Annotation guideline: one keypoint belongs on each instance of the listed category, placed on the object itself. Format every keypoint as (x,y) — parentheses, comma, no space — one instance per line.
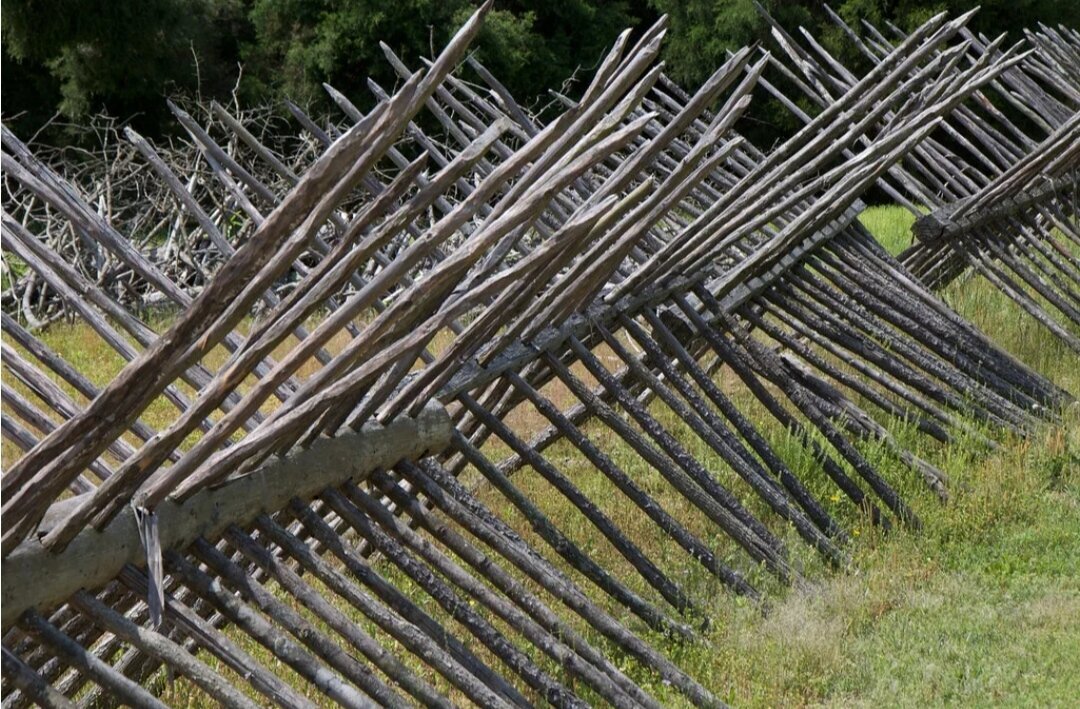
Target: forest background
(67,60)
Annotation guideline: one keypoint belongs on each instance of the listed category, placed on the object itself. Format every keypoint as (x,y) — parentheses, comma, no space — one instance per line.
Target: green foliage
(81,57)
(533,47)
(702,31)
(299,44)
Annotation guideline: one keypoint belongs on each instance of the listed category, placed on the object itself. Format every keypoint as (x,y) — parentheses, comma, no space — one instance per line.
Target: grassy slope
(980,607)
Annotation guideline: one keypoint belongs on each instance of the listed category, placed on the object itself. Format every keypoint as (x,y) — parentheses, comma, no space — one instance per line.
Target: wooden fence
(444,303)
(995,191)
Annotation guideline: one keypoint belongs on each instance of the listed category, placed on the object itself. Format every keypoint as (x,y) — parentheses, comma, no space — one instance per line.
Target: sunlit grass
(890,225)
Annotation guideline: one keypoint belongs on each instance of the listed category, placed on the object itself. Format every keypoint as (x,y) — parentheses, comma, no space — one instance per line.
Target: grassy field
(981,607)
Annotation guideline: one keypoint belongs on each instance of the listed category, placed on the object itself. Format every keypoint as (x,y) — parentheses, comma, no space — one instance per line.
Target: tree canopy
(79,57)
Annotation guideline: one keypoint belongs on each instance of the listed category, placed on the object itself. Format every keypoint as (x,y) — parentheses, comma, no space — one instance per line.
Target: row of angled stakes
(457,300)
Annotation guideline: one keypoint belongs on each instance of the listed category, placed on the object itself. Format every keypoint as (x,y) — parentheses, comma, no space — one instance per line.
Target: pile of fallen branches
(119,174)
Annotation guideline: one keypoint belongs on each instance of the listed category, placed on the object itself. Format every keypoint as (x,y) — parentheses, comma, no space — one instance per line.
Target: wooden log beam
(36,578)
(939,225)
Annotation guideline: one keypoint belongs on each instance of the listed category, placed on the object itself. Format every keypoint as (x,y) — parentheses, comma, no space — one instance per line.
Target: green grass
(982,607)
(979,608)
(890,225)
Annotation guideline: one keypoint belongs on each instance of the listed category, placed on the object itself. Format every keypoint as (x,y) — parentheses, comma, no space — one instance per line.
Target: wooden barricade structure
(322,486)
(995,189)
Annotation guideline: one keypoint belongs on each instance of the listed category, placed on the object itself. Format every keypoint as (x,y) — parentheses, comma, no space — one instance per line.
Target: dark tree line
(81,57)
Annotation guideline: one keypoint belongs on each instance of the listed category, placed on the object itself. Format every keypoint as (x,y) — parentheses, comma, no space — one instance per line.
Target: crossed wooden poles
(994,190)
(339,453)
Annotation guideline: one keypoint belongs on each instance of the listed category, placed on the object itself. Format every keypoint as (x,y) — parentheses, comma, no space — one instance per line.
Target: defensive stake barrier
(435,272)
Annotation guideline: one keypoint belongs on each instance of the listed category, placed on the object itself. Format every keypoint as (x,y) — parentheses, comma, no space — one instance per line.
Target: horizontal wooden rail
(36,578)
(940,225)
